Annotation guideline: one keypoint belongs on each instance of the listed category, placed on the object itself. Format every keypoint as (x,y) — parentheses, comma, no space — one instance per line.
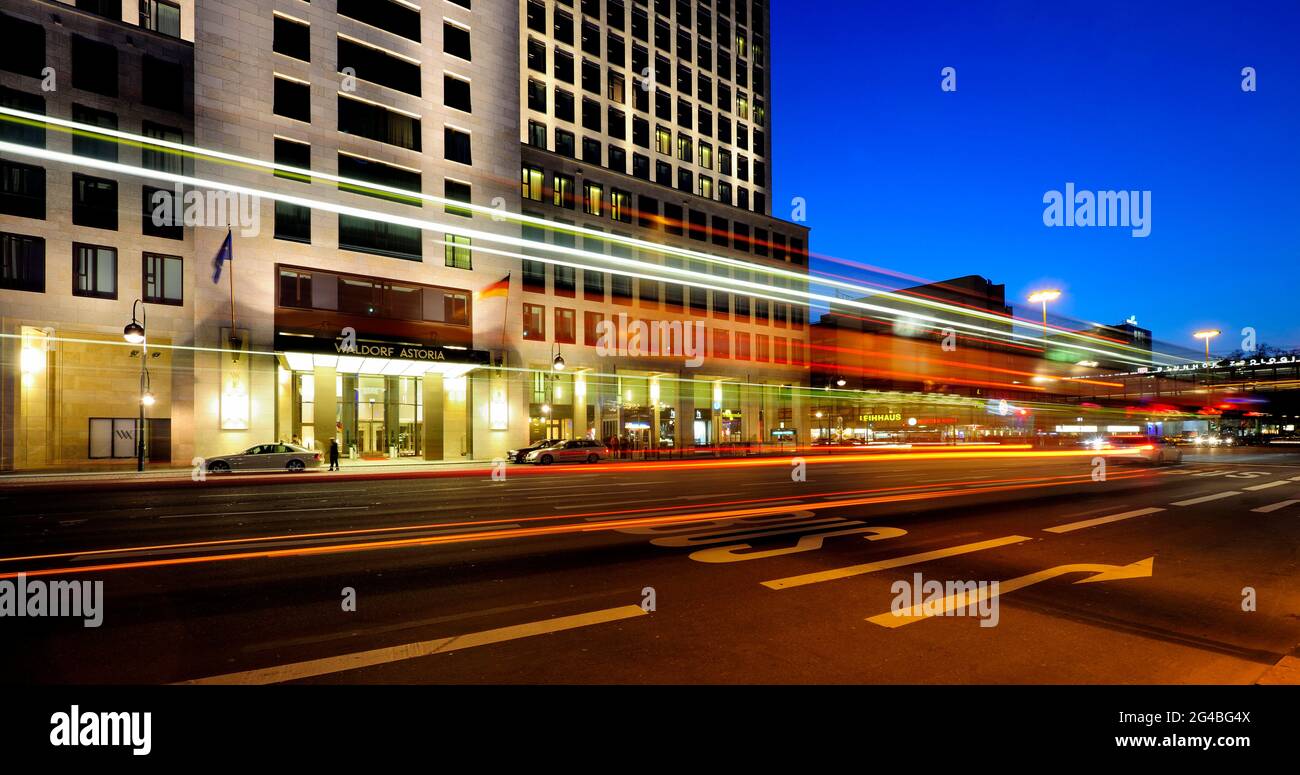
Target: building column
(580,426)
(325,409)
(432,395)
(685,416)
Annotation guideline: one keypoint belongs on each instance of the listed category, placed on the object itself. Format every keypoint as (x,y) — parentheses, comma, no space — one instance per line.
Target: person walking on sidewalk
(334,454)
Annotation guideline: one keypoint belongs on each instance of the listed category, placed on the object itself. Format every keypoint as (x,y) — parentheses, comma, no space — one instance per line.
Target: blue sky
(1107,95)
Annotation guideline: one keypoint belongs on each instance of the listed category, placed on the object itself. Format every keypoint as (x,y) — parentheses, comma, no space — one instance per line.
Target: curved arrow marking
(1139,569)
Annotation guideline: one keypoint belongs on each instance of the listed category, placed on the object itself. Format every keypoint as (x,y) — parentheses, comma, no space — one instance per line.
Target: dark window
(164,279)
(647,212)
(293,100)
(23,51)
(292,38)
(94,66)
(158,158)
(536,96)
(293,222)
(618,160)
(378,123)
(663,173)
(383,239)
(456,146)
(564,143)
(699,225)
(616,51)
(590,76)
(455,40)
(94,202)
(537,16)
(536,55)
(90,145)
(564,27)
(161,212)
(22,263)
(11,131)
(163,84)
(292,154)
(386,15)
(565,281)
(590,39)
(94,271)
(617,124)
(593,285)
(640,24)
(640,132)
(621,287)
(591,150)
(455,93)
(379,67)
(379,173)
(591,115)
(537,134)
(673,219)
(564,66)
(457,192)
(563,105)
(720,233)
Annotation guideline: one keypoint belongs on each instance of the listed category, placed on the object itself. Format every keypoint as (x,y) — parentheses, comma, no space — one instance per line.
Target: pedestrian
(334,454)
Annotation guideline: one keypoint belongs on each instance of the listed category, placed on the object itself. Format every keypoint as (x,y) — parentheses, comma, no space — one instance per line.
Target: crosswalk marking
(317,667)
(1066,528)
(1273,507)
(1206,498)
(1265,486)
(872,567)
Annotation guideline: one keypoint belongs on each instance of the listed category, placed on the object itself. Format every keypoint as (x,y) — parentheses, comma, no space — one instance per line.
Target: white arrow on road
(1137,570)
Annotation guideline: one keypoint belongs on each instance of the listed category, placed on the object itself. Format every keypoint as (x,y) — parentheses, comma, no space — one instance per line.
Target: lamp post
(1042,297)
(1207,336)
(135,333)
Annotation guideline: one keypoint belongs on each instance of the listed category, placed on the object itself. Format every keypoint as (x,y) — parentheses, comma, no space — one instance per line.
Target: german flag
(499,288)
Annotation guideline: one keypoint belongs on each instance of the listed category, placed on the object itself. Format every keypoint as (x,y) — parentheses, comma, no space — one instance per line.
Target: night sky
(1107,95)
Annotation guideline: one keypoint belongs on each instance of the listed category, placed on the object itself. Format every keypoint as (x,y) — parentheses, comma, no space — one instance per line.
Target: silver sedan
(266,457)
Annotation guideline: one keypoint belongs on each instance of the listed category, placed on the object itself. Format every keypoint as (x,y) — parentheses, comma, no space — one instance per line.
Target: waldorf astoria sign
(369,347)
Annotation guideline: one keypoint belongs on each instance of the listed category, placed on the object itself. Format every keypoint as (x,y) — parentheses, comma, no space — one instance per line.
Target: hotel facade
(466,195)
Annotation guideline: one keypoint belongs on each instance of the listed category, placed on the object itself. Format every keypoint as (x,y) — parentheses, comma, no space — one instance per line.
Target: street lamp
(1207,336)
(134,333)
(1042,297)
(557,361)
(841,382)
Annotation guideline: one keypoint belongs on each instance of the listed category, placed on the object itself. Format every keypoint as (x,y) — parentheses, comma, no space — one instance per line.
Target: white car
(1156,452)
(266,457)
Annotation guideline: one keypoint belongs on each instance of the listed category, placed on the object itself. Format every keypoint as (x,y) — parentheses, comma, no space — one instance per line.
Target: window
(622,289)
(534,276)
(376,122)
(456,146)
(455,93)
(620,205)
(685,180)
(94,202)
(536,55)
(292,223)
(378,66)
(593,285)
(640,166)
(616,50)
(536,96)
(535,322)
(742,346)
(563,105)
(685,148)
(457,191)
(164,279)
(160,214)
(537,134)
(93,147)
(537,16)
(371,171)
(590,76)
(458,251)
(382,239)
(22,263)
(565,282)
(591,328)
(591,150)
(22,134)
(593,202)
(564,66)
(564,143)
(617,124)
(720,232)
(397,18)
(94,66)
(532,179)
(663,141)
(161,16)
(293,154)
(706,186)
(94,271)
(648,292)
(590,39)
(163,84)
(563,27)
(563,191)
(721,343)
(591,115)
(164,159)
(455,41)
(292,38)
(565,332)
(24,49)
(292,99)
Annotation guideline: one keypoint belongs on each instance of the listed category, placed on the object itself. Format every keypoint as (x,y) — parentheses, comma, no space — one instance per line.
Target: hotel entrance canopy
(370,356)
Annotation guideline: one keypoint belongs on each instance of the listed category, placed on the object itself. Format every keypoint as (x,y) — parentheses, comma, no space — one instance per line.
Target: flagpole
(230,260)
(505,314)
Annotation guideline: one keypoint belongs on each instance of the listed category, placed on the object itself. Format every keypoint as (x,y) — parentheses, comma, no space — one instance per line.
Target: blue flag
(227,253)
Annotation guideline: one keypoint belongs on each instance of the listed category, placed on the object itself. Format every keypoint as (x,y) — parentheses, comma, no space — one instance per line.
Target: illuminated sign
(894,417)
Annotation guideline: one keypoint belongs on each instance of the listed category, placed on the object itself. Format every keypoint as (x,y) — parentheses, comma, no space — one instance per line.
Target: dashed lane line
(1066,528)
(1265,485)
(317,667)
(1272,507)
(894,562)
(1206,498)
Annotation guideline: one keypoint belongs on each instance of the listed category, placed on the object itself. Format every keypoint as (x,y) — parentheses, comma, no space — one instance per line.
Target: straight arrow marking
(1139,569)
(896,562)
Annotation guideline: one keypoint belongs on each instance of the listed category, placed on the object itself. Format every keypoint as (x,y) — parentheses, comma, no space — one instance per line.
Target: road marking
(552,497)
(736,533)
(1265,486)
(317,667)
(1066,528)
(896,562)
(1206,498)
(916,613)
(1273,507)
(806,543)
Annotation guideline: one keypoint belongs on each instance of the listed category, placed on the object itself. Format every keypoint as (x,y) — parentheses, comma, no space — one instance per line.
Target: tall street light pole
(1207,336)
(135,333)
(1042,297)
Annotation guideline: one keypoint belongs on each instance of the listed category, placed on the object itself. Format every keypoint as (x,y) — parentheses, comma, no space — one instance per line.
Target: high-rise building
(389,284)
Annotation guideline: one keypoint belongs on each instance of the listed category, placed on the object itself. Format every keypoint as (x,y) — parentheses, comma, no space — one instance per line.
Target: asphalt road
(751,575)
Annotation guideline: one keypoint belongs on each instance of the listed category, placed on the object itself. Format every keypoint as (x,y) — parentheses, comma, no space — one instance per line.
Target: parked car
(266,457)
(575,451)
(521,455)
